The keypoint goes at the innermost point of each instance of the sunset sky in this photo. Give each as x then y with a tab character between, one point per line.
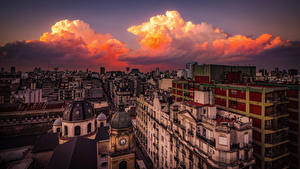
147	34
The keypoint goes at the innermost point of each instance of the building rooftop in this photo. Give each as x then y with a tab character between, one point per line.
46	142
78	110
102	134
196	105
77	153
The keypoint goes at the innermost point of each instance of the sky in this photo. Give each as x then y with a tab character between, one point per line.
142	34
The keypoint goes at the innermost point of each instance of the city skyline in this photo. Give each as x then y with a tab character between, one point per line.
165	37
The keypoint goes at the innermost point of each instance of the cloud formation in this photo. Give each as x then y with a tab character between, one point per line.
168	37
165	40
69	42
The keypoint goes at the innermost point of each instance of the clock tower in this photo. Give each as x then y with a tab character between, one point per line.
121	153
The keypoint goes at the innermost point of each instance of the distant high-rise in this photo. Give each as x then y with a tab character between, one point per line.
102	70
190	69
157	73
12	69
293	72
264	72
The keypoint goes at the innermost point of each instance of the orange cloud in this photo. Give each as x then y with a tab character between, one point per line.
169	35
103	48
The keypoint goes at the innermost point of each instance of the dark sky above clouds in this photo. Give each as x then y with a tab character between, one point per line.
166	47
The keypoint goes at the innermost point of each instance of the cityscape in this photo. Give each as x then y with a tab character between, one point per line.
187	85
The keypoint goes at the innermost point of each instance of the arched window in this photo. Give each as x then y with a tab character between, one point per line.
101	124
66	130
77	131
57	129
123	165
89	127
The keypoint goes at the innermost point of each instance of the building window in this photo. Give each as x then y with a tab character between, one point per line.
233	104
77	131
58	130
223	156
123	165
89	127
234	92
66	130
200	145
204	132
223	140
246	138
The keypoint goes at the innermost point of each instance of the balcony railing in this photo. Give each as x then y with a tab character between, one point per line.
212	143
234	146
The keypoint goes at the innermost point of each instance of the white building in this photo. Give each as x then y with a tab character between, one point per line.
193	134
165	84
30	96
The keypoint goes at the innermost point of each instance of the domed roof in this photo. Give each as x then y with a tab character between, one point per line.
57	122
120	120
78	111
101	117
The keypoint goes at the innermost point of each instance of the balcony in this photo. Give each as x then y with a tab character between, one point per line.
210	142
276	151
275	99
276	124
277	137
278	164
234	146
276	110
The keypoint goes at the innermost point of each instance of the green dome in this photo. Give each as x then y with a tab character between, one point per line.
120	120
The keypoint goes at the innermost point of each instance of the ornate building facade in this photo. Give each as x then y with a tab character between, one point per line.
81	140
121	152
193	134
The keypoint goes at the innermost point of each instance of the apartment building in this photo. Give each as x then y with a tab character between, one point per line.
193	134
293	97
267	106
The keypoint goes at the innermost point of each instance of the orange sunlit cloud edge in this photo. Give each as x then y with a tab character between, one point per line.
165	41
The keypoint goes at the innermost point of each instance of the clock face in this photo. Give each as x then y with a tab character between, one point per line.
122	141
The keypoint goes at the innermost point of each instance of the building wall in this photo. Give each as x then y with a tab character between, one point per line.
28	122
172	139
293	96
115	162
253	102
222	73
83	126
165	84
294	126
